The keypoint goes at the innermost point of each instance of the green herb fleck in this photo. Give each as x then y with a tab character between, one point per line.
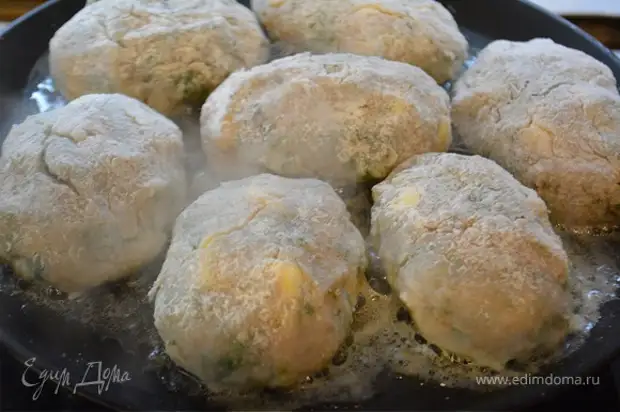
232	361
309	309
193	88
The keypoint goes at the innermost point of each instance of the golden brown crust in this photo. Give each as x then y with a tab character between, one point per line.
472	254
89	191
551	116
338	117
267	265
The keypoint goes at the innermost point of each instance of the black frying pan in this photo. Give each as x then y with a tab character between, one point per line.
59	343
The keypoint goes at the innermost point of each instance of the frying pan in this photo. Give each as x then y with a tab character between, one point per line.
63	344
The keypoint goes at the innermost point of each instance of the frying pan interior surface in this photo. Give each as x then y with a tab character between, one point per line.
49	341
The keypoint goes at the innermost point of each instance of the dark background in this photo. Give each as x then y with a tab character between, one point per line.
14	396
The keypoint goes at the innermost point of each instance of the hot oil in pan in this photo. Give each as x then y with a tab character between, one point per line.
382	338
119	311
382	335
